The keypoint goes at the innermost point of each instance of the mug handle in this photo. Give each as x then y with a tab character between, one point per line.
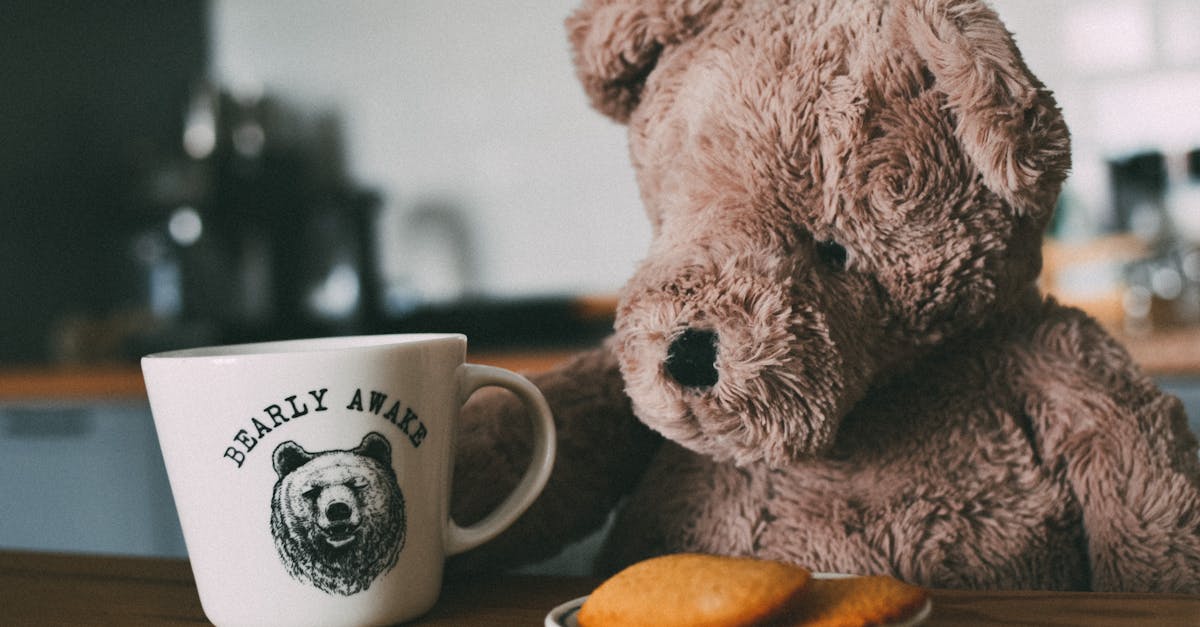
471	377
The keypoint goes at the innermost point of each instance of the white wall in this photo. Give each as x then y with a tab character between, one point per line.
470	101
1127	76
476	102
1127	72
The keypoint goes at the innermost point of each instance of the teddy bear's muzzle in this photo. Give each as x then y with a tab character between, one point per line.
691	359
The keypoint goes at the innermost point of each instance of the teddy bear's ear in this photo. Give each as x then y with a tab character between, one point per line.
1005	119
376	447
289	456
617	44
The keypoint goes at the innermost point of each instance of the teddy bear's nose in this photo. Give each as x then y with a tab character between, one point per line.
692	357
338	512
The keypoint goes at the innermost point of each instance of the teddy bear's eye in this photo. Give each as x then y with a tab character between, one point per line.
832	254
311	493
358	483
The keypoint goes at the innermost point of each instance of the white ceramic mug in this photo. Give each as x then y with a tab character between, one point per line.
312	477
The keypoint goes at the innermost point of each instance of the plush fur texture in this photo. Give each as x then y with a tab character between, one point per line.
849	197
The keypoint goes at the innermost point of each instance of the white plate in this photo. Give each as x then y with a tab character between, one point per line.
564	615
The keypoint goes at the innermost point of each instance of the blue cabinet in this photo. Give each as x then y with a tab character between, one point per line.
90	478
84	478
1188	391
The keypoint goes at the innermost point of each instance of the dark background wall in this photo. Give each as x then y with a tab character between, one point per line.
91	94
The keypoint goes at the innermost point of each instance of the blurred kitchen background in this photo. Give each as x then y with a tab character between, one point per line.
188	172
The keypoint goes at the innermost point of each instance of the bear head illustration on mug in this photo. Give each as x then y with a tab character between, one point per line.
337	516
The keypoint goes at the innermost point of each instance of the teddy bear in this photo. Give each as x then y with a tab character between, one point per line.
835	353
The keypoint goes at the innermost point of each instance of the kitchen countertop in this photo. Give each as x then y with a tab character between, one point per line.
123	382
1173	352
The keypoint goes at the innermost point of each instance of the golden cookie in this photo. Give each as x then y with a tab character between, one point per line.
691	590
856	602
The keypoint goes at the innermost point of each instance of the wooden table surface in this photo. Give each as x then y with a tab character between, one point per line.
56	589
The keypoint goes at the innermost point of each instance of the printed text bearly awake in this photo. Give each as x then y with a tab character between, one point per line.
293	407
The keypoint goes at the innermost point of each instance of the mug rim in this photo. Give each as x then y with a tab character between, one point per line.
325	344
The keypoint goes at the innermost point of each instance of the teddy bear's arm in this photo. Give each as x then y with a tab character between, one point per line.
602	451
1128	454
